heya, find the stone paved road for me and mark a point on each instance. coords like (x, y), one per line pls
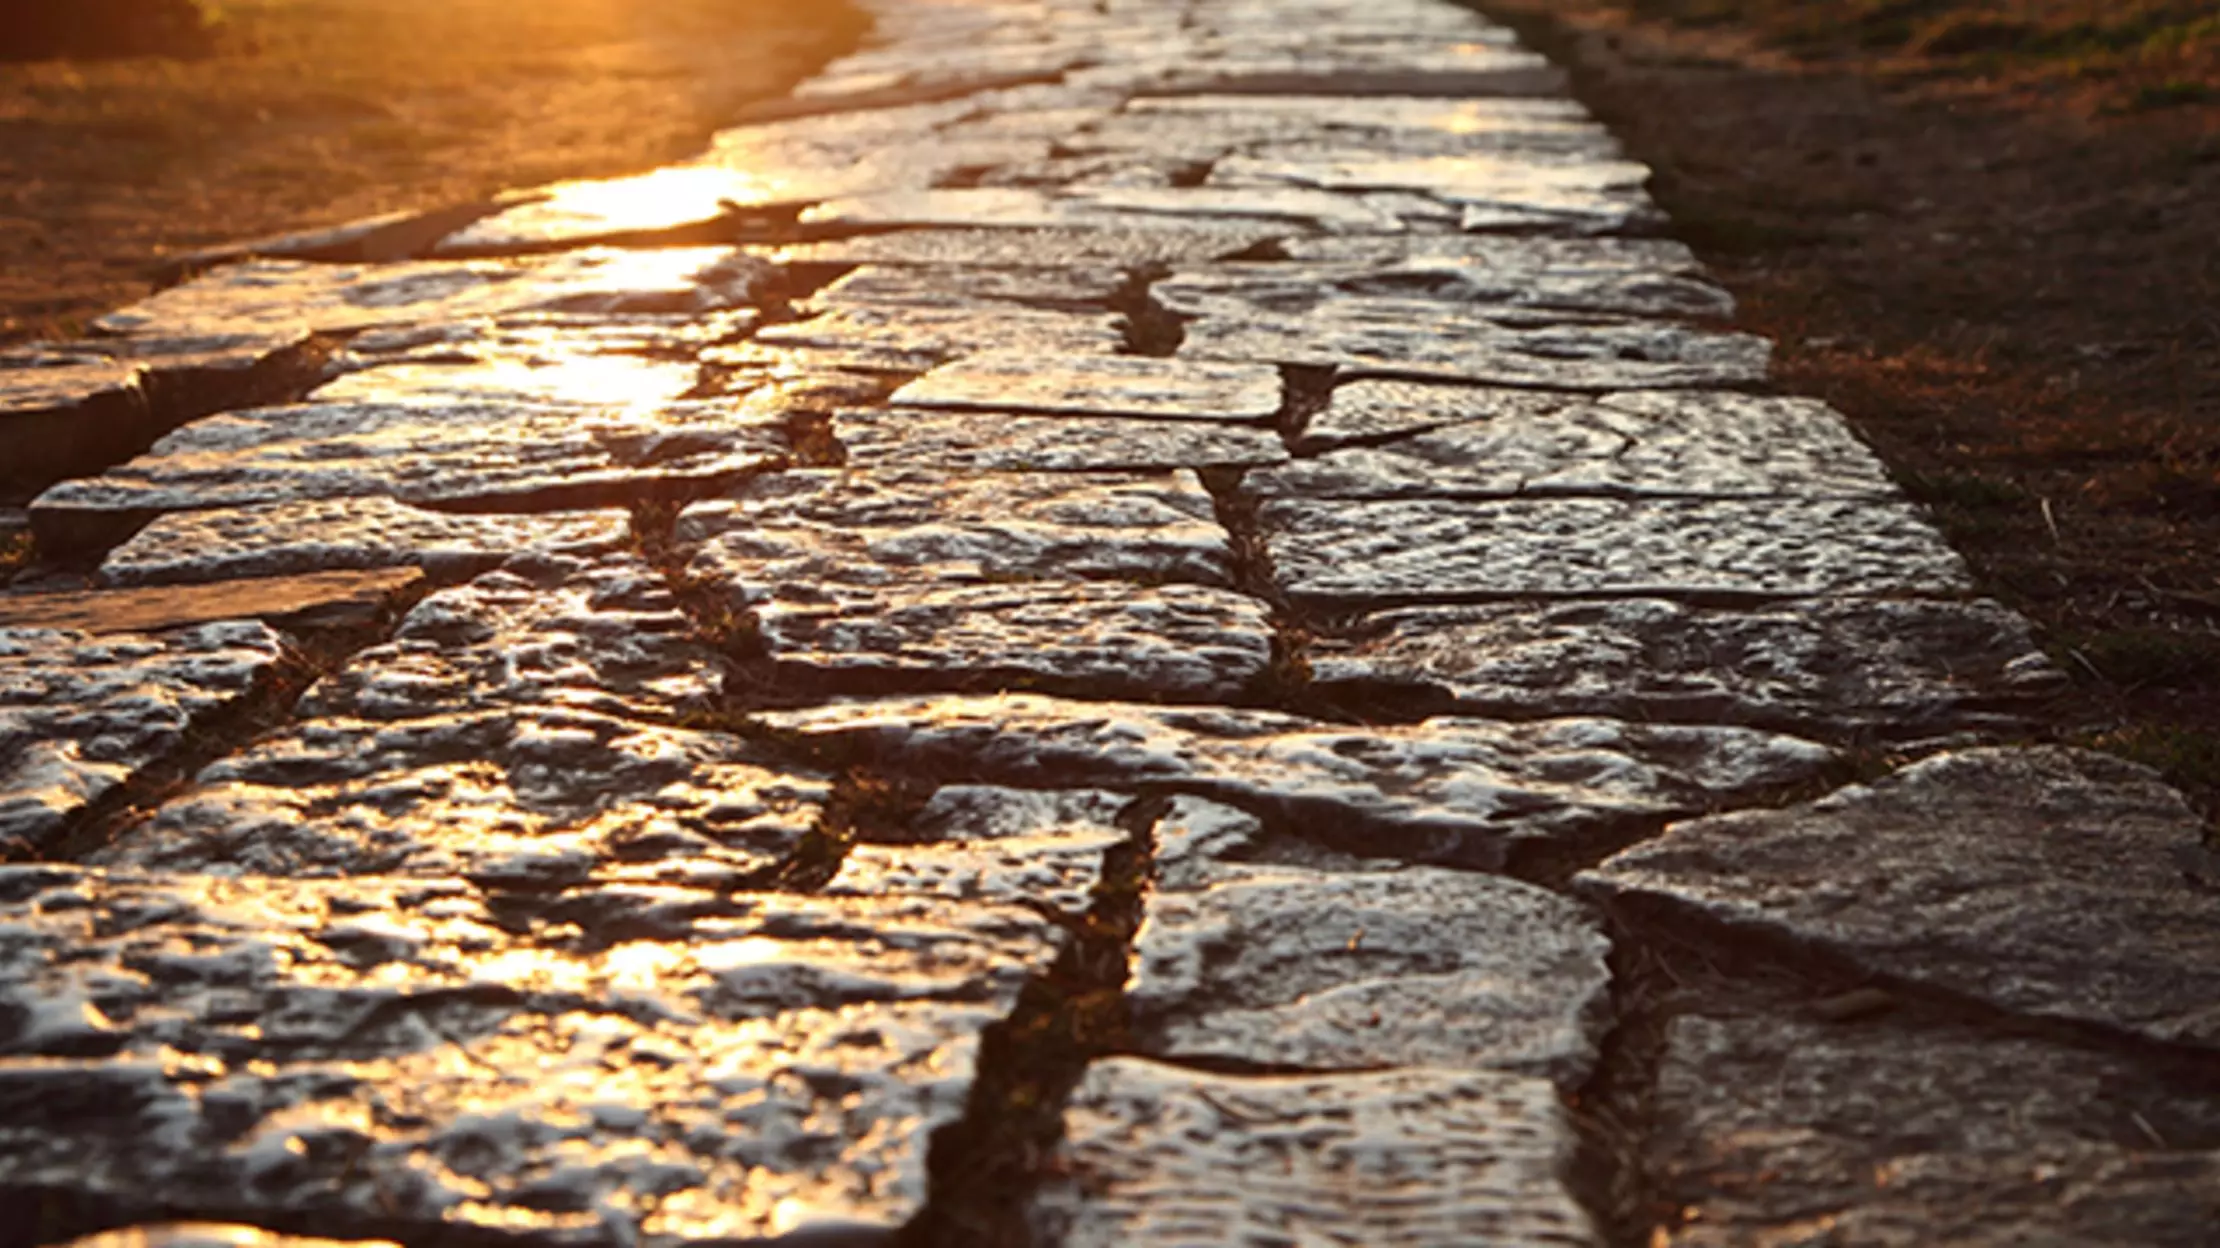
(1129, 622)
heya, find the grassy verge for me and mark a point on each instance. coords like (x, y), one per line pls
(313, 112)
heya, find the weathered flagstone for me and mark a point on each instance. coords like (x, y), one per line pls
(1211, 127)
(1881, 666)
(80, 714)
(1078, 288)
(431, 451)
(1156, 1156)
(1428, 339)
(1494, 191)
(319, 535)
(694, 1068)
(213, 1235)
(2045, 881)
(533, 797)
(1340, 551)
(1290, 967)
(902, 338)
(65, 412)
(1379, 409)
(1040, 848)
(1014, 381)
(1656, 443)
(999, 442)
(262, 297)
(1020, 248)
(1774, 1130)
(610, 364)
(1140, 207)
(1456, 791)
(323, 598)
(1042, 526)
(1610, 276)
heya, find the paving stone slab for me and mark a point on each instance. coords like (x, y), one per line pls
(1040, 526)
(1378, 410)
(2047, 881)
(321, 535)
(263, 297)
(1611, 276)
(1053, 873)
(1495, 191)
(1130, 208)
(433, 451)
(1455, 791)
(1353, 552)
(1019, 248)
(1212, 127)
(697, 1068)
(1774, 1130)
(1001, 442)
(326, 598)
(1885, 667)
(80, 714)
(213, 1235)
(914, 339)
(1427, 339)
(1646, 443)
(68, 412)
(613, 365)
(528, 797)
(1077, 288)
(1290, 968)
(1139, 386)
(1156, 1156)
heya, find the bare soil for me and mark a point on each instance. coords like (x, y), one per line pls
(1999, 254)
(315, 112)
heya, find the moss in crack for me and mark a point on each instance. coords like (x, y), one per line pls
(984, 1168)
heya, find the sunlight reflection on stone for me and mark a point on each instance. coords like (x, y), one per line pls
(661, 200)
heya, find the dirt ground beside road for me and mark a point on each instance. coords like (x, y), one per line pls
(1990, 233)
(315, 112)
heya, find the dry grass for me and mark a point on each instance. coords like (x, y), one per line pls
(318, 111)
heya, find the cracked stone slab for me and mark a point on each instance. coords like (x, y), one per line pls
(898, 338)
(1657, 443)
(696, 1068)
(1156, 1156)
(1772, 1129)
(1354, 551)
(335, 534)
(1493, 191)
(1124, 248)
(81, 714)
(265, 297)
(1376, 410)
(601, 634)
(1007, 846)
(2050, 882)
(1890, 667)
(1139, 207)
(535, 796)
(1429, 340)
(1463, 792)
(1605, 276)
(317, 598)
(595, 365)
(434, 451)
(1138, 386)
(1287, 967)
(65, 412)
(1038, 526)
(1000, 442)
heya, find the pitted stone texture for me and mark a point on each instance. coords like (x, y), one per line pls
(1009, 381)
(213, 1235)
(603, 366)
(1000, 442)
(1429, 339)
(1209, 128)
(1494, 192)
(898, 338)
(1033, 847)
(1336, 551)
(1156, 1156)
(1889, 667)
(312, 600)
(2049, 881)
(1619, 277)
(602, 634)
(695, 1068)
(872, 628)
(80, 714)
(1378, 409)
(289, 296)
(535, 797)
(1079, 288)
(284, 539)
(1290, 968)
(1656, 443)
(1461, 792)
(63, 412)
(1005, 248)
(1039, 526)
(426, 452)
(1775, 1130)
(1117, 207)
